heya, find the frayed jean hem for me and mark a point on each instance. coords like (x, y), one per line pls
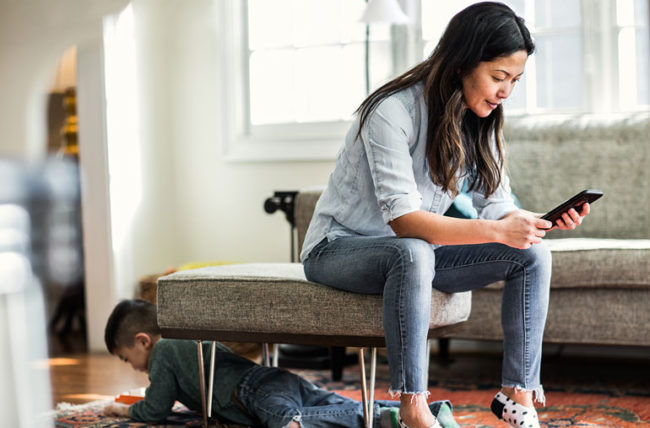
(538, 392)
(398, 393)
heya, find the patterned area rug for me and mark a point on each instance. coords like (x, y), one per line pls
(572, 407)
(91, 415)
(590, 405)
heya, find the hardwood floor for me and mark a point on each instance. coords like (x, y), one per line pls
(80, 378)
(77, 376)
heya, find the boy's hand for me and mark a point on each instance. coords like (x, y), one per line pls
(117, 409)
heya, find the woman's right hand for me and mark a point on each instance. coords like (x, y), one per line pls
(521, 229)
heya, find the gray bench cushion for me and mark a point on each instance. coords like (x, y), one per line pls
(275, 298)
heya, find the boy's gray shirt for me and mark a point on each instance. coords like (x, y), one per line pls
(174, 376)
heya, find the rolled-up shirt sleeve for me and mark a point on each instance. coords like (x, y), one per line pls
(498, 204)
(386, 137)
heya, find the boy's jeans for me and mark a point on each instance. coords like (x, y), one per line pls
(277, 397)
(405, 269)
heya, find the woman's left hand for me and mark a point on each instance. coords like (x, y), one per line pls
(571, 219)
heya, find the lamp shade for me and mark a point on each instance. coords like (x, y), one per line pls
(386, 11)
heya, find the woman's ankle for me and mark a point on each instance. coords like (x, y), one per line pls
(415, 411)
(518, 395)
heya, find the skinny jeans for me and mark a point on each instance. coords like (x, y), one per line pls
(277, 397)
(404, 270)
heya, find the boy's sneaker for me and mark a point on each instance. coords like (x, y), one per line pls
(444, 416)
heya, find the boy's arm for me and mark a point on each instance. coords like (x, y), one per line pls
(156, 405)
(159, 397)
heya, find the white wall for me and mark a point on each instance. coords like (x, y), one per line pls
(99, 264)
(196, 206)
(218, 205)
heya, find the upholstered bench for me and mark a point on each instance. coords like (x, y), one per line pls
(274, 303)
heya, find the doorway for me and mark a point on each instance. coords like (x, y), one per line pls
(58, 246)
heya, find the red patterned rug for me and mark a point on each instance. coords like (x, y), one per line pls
(587, 404)
(91, 415)
(564, 408)
(472, 408)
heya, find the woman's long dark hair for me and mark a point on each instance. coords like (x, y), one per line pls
(481, 32)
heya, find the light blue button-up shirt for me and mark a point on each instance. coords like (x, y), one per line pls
(386, 175)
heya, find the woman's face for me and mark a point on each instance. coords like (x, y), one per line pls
(491, 82)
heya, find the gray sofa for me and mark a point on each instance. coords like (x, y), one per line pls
(600, 287)
(601, 270)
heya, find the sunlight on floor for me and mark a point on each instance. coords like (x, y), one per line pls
(86, 397)
(55, 362)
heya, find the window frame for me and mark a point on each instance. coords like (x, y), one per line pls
(600, 65)
(273, 142)
(289, 141)
(322, 140)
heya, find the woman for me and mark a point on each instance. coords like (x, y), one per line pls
(379, 228)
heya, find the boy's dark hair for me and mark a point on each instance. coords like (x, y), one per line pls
(129, 318)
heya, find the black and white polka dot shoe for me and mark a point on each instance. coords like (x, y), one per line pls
(513, 413)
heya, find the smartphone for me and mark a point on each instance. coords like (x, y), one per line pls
(586, 196)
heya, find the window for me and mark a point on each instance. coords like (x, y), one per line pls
(632, 18)
(310, 55)
(300, 73)
(591, 55)
(294, 69)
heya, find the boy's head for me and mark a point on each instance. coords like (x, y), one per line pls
(131, 331)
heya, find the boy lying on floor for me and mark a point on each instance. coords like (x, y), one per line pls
(245, 393)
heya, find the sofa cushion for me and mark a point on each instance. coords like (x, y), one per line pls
(595, 316)
(602, 263)
(276, 298)
(551, 158)
(598, 263)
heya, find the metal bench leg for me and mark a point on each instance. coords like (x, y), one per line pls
(266, 357)
(213, 349)
(368, 394)
(199, 351)
(364, 391)
(276, 355)
(371, 401)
